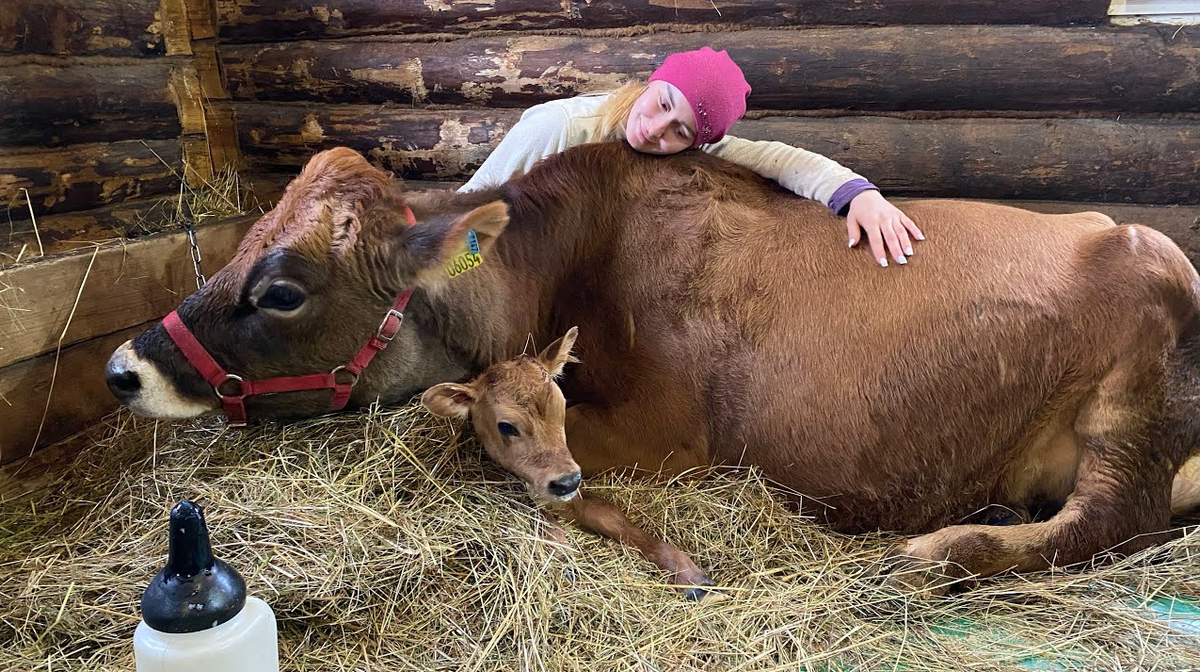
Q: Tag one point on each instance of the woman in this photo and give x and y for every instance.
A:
(691, 101)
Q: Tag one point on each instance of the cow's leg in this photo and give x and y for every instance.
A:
(597, 515)
(1121, 500)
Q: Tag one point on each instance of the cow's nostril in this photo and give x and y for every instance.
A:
(124, 384)
(561, 487)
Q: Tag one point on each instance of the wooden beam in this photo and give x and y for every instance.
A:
(81, 177)
(108, 289)
(52, 102)
(81, 27)
(248, 21)
(58, 394)
(1127, 160)
(887, 69)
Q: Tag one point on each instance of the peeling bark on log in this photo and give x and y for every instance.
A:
(81, 177)
(248, 21)
(1140, 161)
(82, 27)
(893, 68)
(420, 144)
(52, 102)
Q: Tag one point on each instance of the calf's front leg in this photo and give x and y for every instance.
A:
(597, 515)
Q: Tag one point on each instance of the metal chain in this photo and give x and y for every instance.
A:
(188, 226)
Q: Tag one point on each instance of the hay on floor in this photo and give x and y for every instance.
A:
(384, 541)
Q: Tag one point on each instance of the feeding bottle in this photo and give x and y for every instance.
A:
(196, 616)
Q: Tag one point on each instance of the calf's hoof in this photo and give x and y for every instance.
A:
(702, 590)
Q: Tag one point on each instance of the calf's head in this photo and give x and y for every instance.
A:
(519, 415)
(308, 286)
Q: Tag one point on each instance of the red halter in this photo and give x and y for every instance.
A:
(234, 404)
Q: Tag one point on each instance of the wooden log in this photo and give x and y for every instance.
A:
(52, 102)
(108, 289)
(1130, 160)
(81, 177)
(248, 21)
(71, 381)
(72, 231)
(940, 68)
(82, 27)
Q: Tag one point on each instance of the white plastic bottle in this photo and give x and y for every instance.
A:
(196, 616)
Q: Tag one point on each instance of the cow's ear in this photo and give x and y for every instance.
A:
(433, 246)
(449, 400)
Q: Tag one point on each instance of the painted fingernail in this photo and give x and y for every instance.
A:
(883, 262)
(920, 236)
(851, 243)
(901, 260)
(908, 251)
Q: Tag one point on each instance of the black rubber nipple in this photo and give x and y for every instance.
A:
(195, 591)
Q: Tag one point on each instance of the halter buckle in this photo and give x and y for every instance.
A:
(379, 333)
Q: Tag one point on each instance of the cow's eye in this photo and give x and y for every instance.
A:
(506, 429)
(281, 296)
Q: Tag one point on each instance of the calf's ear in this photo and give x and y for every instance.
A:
(449, 400)
(557, 354)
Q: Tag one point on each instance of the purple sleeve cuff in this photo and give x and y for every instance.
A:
(839, 203)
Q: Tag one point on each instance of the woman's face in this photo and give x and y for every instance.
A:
(661, 120)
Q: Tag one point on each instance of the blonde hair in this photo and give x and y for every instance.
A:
(615, 111)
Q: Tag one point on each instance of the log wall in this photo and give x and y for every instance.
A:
(1014, 100)
(105, 103)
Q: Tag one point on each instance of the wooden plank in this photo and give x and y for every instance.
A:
(81, 27)
(72, 381)
(126, 285)
(81, 177)
(888, 69)
(251, 21)
(72, 231)
(52, 102)
(1126, 160)
(174, 23)
(202, 19)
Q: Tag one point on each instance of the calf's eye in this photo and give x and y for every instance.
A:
(507, 430)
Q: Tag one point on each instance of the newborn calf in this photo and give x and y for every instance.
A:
(519, 415)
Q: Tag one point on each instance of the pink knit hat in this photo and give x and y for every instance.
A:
(714, 86)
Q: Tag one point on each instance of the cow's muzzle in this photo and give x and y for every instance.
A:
(138, 384)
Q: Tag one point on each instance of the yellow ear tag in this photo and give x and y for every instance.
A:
(467, 260)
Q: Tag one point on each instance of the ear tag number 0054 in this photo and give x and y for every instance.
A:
(467, 260)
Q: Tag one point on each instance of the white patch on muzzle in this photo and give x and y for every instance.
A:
(158, 397)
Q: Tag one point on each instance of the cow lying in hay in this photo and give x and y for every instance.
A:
(1043, 363)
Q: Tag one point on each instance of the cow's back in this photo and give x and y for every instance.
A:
(798, 351)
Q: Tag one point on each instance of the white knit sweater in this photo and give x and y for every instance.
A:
(554, 126)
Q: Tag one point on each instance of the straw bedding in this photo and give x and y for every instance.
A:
(385, 541)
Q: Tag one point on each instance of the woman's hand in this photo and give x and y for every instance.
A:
(884, 224)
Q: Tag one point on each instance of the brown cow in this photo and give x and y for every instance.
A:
(1043, 363)
(519, 415)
